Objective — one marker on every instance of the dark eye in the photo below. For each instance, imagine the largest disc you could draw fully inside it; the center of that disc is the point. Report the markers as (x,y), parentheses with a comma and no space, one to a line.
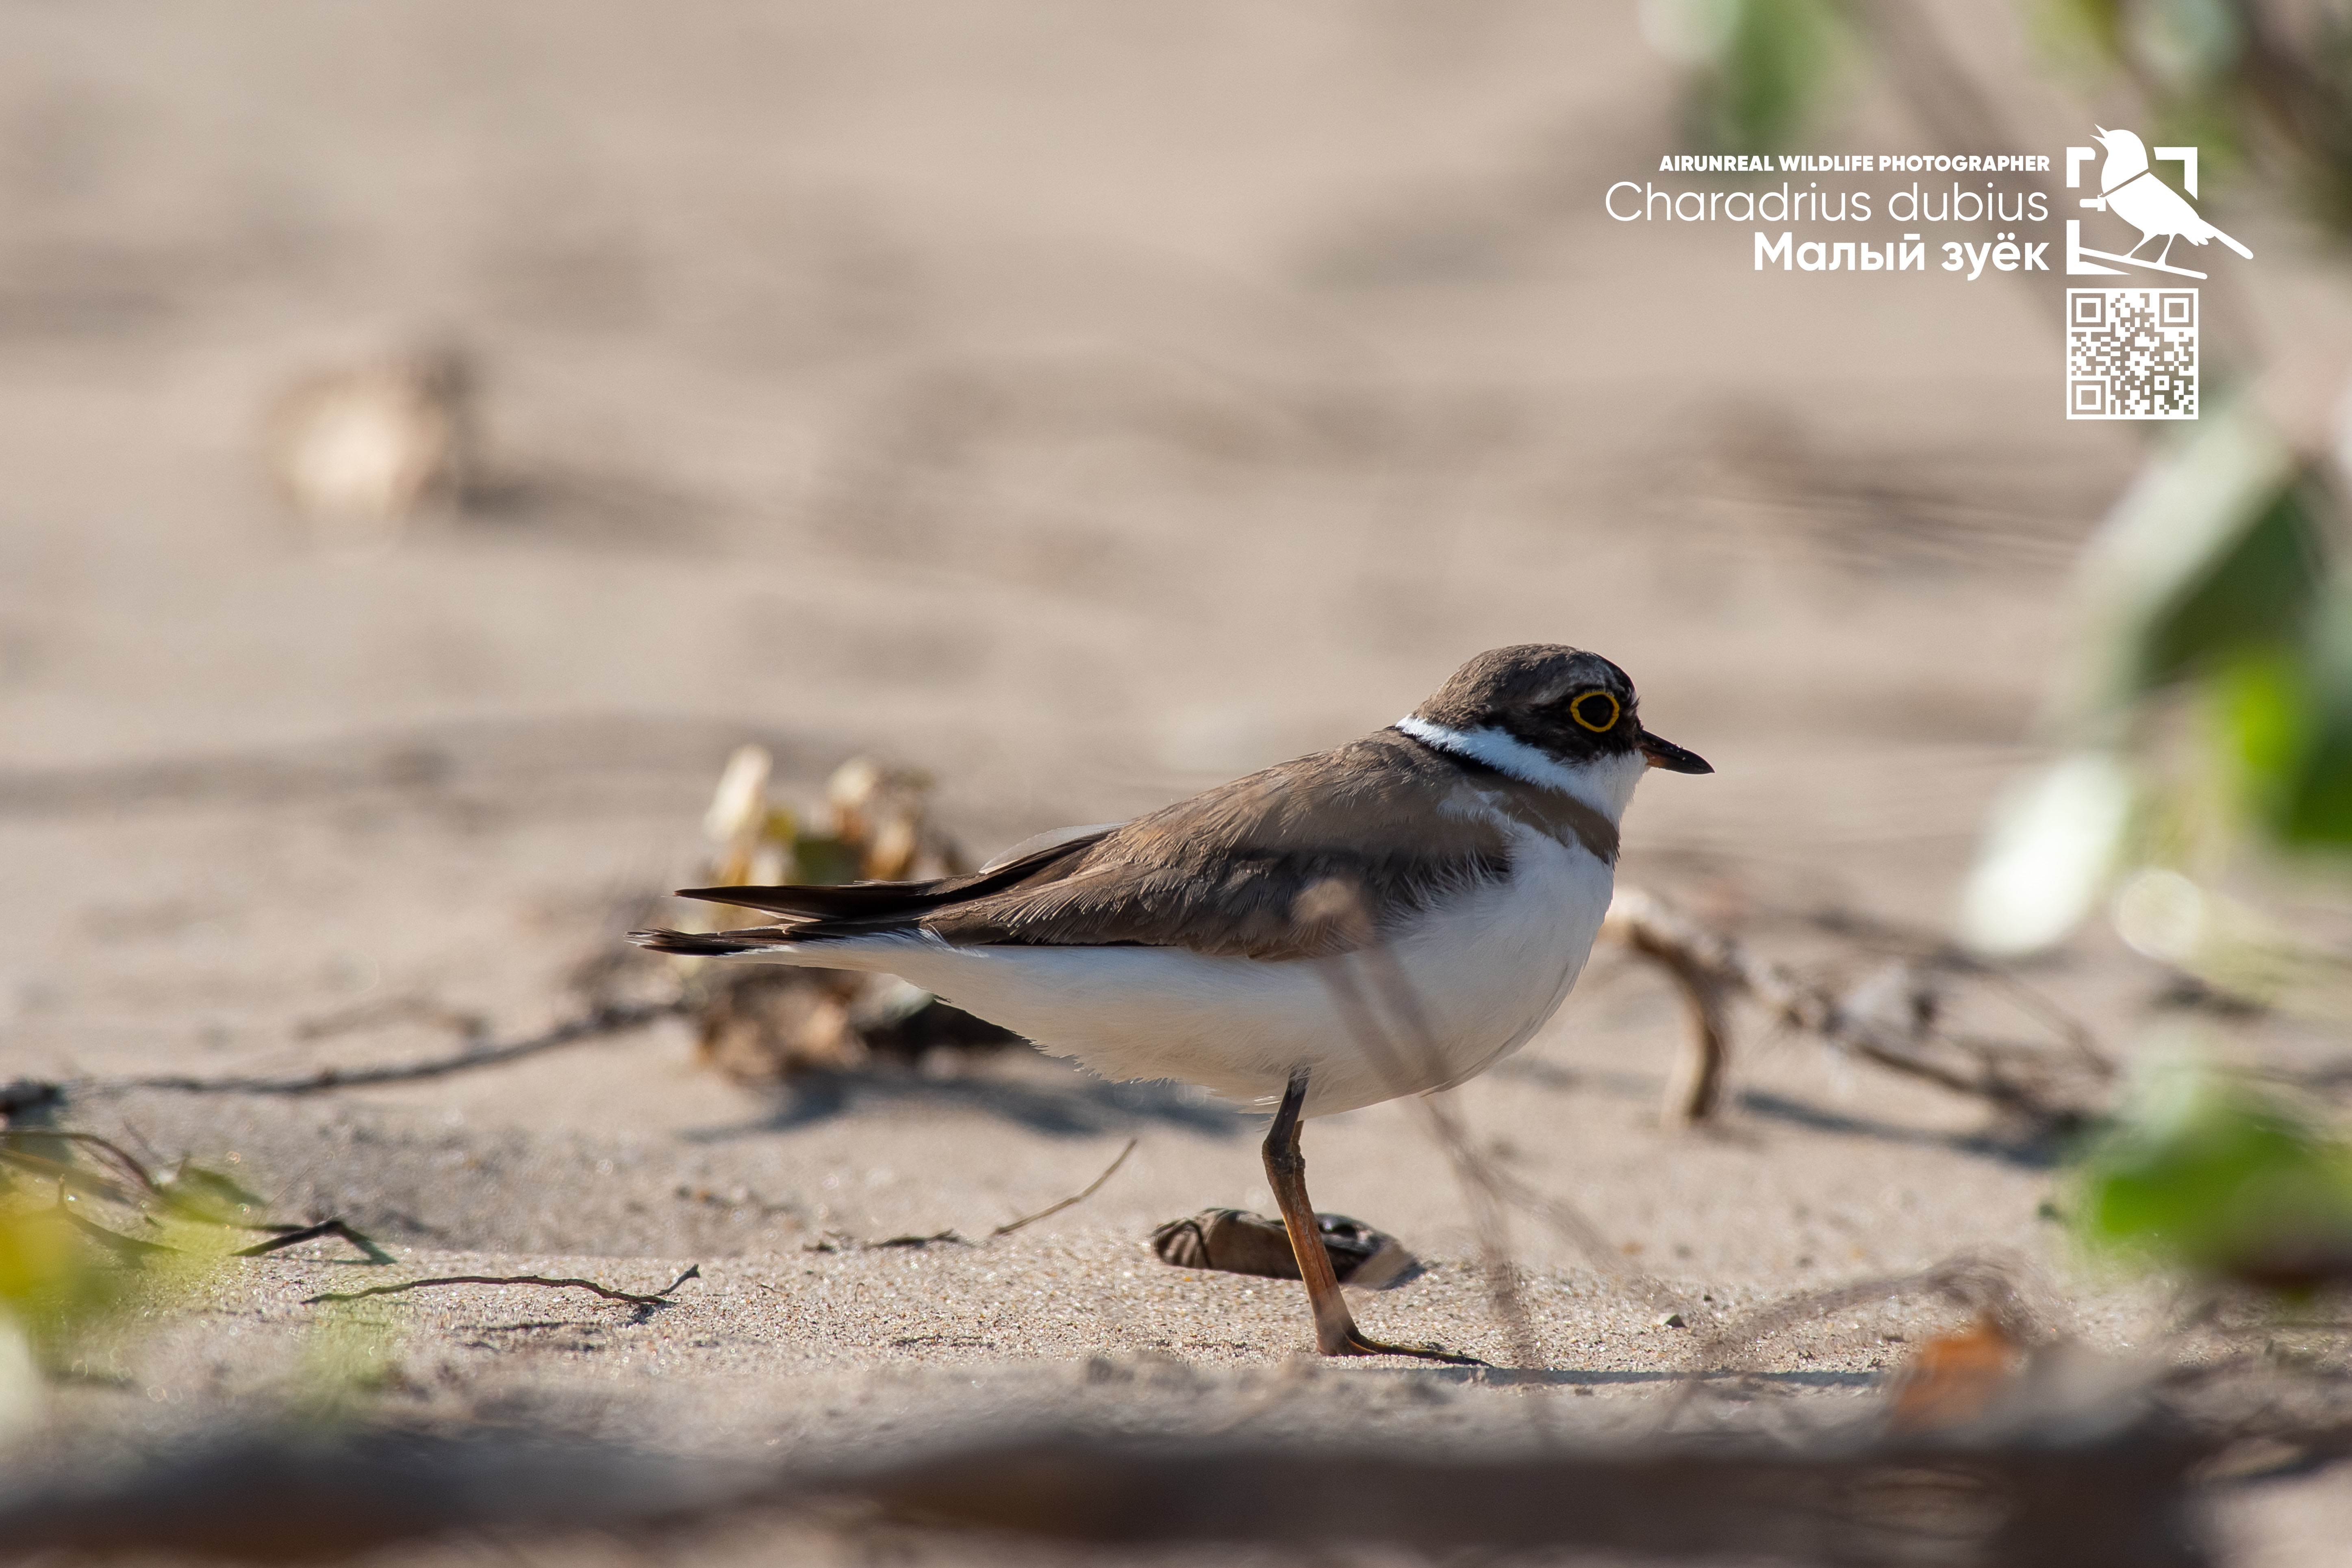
(1596,710)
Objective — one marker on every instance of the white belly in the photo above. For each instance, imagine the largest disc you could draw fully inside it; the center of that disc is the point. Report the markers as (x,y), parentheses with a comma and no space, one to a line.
(1488,968)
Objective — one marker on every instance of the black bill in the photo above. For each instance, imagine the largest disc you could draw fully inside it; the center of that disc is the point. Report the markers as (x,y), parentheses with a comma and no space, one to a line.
(1672,758)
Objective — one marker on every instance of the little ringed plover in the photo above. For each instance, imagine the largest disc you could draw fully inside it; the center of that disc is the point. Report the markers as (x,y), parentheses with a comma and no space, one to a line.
(1473,840)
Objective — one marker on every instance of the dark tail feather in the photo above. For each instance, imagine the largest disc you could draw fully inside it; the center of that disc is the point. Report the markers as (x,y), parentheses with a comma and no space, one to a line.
(841,900)
(892,900)
(698,944)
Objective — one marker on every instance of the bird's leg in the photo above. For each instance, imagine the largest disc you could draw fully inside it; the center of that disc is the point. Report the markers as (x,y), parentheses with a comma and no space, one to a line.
(1285,1170)
(2168,248)
(2135,249)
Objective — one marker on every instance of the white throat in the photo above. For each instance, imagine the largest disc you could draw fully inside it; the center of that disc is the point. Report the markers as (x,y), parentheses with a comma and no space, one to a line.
(1605,784)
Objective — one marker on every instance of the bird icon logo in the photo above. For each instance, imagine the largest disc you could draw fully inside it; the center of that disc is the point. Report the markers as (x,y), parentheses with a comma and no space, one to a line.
(2131,189)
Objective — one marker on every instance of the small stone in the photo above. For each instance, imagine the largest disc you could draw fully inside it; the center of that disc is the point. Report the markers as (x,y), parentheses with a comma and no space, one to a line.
(1669,1320)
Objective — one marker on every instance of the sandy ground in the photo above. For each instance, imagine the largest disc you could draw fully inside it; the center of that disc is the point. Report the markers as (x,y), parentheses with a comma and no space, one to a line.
(1083,405)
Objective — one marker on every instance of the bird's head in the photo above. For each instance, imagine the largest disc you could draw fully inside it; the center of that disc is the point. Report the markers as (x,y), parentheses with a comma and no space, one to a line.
(1577,708)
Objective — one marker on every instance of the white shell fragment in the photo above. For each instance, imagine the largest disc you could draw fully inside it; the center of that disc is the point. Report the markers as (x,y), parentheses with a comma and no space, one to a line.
(2049,846)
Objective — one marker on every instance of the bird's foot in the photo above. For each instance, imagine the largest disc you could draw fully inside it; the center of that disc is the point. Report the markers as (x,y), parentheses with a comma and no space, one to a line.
(1357,1343)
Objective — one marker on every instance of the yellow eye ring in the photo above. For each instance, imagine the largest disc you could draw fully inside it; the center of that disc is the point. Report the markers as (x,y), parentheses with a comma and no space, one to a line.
(1577,710)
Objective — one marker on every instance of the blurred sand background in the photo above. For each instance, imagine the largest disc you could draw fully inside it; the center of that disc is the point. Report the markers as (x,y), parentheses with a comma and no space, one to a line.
(1085,405)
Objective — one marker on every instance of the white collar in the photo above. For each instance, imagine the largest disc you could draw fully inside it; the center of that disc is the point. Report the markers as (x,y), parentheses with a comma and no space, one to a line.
(1605,784)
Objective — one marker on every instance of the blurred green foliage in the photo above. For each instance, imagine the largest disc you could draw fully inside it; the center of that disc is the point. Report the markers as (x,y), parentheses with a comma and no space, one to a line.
(2246,82)
(207,1197)
(2212,698)
(2250,84)
(2251,593)
(2216,578)
(1759,68)
(350,1356)
(1778,57)
(91,1243)
(2249,617)
(51,1287)
(2206,1172)
(2287,718)
(2217,675)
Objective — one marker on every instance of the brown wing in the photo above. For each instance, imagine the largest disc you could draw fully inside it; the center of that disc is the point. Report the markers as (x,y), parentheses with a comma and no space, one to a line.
(1223,872)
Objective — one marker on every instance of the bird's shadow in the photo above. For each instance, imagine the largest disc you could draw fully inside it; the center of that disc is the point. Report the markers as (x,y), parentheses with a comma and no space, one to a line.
(1594,1377)
(1079,1107)
(2026,1149)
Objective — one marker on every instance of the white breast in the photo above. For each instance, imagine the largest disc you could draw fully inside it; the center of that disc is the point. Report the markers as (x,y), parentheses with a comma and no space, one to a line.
(1492,968)
(1488,967)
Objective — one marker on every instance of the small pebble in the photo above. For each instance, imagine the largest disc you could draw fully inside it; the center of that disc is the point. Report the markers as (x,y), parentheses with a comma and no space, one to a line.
(1669,1320)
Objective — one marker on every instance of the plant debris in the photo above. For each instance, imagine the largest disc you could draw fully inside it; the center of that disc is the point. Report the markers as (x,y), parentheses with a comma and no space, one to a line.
(192,1194)
(1233,1241)
(1891,1020)
(833,1241)
(361,449)
(1090,1189)
(658,1298)
(603,1020)
(763,1024)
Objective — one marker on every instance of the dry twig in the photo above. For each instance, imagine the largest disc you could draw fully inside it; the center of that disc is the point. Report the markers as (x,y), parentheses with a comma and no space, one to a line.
(658,1298)
(609,1019)
(1702,964)
(1072,1201)
(1712,969)
(951,1238)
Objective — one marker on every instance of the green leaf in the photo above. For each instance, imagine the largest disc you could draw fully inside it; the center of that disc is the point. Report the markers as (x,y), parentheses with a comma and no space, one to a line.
(2216,552)
(2254,591)
(1762,65)
(2078,30)
(2286,719)
(210,1197)
(51,1286)
(2206,1172)
(2190,45)
(1777,61)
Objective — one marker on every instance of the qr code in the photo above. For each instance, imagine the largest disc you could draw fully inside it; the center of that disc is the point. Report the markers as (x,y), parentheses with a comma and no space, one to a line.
(2131,353)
